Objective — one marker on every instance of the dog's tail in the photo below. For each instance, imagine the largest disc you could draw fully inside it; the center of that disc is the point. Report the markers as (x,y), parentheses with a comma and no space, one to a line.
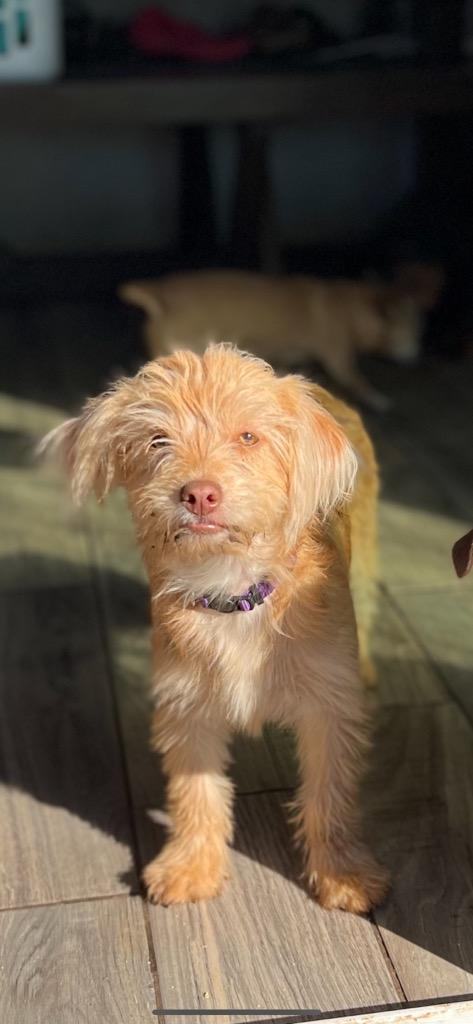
(144,294)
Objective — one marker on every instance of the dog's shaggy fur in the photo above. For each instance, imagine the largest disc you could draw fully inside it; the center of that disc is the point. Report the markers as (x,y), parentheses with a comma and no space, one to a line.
(292,320)
(285,455)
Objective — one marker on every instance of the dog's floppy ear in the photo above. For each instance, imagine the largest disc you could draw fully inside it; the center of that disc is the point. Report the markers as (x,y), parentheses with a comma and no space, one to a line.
(323,464)
(89,446)
(462,554)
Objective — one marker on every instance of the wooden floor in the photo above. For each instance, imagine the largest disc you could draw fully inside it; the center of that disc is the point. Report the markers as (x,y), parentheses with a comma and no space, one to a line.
(81,796)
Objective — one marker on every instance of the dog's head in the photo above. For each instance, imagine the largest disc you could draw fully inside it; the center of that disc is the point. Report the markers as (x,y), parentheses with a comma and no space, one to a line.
(404,304)
(216,452)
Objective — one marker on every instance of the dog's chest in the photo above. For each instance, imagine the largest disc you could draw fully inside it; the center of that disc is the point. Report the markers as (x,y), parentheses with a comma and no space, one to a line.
(248,667)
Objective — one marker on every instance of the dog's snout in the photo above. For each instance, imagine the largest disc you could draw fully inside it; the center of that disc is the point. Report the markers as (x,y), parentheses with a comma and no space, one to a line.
(201,496)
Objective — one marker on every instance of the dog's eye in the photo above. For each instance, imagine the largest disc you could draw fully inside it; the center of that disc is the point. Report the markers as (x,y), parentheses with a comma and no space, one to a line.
(248,439)
(158,441)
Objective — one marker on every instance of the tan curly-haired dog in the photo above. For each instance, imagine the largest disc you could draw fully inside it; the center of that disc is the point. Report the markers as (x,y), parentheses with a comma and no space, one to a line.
(238,483)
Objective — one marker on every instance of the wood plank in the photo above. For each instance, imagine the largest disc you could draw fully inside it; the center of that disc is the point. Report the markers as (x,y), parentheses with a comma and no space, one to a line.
(85,962)
(267,762)
(426,469)
(420,514)
(28,416)
(416,544)
(427,926)
(432,402)
(420,818)
(443,622)
(404,675)
(42,539)
(42,542)
(65,821)
(264,943)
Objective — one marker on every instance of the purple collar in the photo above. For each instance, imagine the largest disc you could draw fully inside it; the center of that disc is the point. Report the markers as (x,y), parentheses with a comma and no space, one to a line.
(255,594)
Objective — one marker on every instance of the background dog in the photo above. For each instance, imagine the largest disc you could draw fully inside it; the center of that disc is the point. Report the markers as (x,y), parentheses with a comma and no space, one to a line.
(239,483)
(292,321)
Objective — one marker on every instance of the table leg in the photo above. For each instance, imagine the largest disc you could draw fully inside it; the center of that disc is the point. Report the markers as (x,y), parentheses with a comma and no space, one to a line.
(253,234)
(197,222)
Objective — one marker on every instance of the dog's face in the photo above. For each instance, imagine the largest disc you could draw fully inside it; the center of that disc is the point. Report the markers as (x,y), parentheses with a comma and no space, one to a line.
(216,453)
(415,291)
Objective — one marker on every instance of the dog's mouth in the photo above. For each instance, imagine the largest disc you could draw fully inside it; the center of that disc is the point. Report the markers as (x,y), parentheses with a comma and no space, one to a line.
(201,526)
(205,526)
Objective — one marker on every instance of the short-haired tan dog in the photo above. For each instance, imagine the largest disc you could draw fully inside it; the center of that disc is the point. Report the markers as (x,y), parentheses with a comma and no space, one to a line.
(239,484)
(291,321)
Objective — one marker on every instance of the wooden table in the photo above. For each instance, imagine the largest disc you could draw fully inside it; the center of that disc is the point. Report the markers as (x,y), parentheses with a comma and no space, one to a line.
(193,101)
(224,96)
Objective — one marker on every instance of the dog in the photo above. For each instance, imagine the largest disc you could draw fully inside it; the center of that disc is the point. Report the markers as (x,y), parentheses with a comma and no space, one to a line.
(239,484)
(293,320)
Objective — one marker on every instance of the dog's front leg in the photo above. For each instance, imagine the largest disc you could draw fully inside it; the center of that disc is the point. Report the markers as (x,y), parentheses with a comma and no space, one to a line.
(194,862)
(340,869)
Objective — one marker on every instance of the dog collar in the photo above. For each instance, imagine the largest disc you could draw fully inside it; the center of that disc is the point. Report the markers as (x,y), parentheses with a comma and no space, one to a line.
(256,594)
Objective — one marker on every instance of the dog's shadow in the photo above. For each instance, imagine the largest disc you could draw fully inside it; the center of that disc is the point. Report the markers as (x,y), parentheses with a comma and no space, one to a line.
(61,743)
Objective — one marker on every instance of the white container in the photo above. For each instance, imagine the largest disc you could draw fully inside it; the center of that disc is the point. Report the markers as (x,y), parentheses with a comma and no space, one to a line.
(31,40)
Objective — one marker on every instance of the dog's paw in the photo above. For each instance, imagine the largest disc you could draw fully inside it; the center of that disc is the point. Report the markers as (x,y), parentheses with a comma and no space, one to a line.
(353,888)
(177,879)
(355,893)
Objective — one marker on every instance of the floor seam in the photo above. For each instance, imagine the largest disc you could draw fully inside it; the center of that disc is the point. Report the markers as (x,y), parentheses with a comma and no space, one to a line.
(387,958)
(65,901)
(153,963)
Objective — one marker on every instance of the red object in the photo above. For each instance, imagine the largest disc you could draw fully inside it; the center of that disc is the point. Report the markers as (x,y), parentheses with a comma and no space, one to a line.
(160,35)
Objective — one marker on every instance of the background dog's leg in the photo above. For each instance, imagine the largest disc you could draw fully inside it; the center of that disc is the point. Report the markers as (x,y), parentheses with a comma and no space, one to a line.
(340,870)
(194,861)
(342,367)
